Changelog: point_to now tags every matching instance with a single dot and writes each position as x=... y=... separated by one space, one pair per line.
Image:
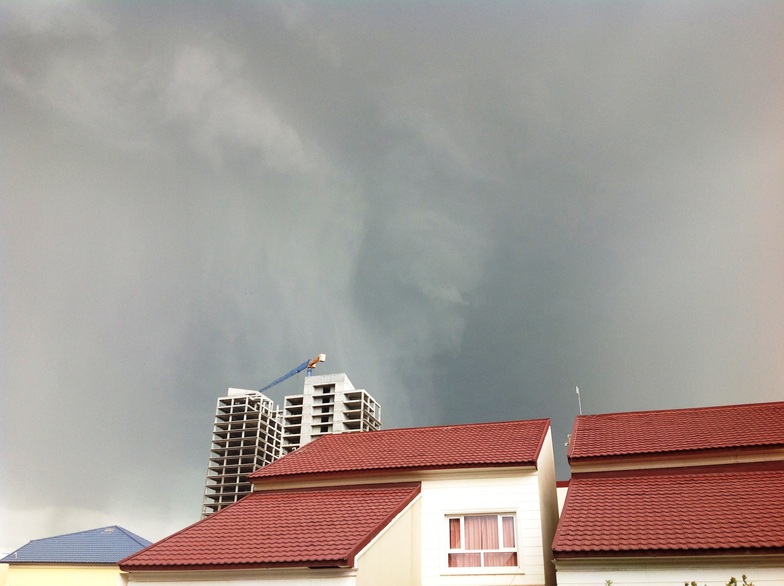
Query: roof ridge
x=130 y=534
x=72 y=533
x=461 y=425
x=704 y=470
x=682 y=409
x=345 y=487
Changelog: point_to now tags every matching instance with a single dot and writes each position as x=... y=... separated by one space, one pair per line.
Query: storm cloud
x=471 y=208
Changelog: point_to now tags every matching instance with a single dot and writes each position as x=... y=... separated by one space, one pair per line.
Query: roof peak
x=72 y=533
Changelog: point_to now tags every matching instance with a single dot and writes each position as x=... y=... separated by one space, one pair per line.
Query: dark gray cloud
x=471 y=209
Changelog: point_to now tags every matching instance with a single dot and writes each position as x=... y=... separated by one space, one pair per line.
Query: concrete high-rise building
x=250 y=431
x=246 y=435
x=328 y=404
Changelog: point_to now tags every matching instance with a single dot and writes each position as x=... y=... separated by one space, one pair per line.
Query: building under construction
x=328 y=404
x=250 y=431
x=246 y=435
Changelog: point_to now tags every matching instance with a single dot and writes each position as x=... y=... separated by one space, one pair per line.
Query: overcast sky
x=471 y=208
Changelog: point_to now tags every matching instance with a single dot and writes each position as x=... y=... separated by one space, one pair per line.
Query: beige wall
x=61 y=575
x=548 y=503
x=289 y=577
x=394 y=559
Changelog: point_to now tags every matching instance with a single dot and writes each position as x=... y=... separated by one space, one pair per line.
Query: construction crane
x=309 y=364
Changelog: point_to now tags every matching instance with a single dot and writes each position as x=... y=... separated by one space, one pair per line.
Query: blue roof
x=105 y=545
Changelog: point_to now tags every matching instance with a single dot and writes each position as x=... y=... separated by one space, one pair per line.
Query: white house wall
x=562 y=491
x=394 y=559
x=643 y=573
x=495 y=491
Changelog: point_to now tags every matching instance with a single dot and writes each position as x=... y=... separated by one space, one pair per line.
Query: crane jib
x=309 y=364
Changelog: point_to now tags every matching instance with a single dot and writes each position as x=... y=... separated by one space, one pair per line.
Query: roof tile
x=105 y=545
x=474 y=445
x=673 y=512
x=677 y=430
x=309 y=527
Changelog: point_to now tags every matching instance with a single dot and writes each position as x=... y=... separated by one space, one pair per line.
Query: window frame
x=482 y=569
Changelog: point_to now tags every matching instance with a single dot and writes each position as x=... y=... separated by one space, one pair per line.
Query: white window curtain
x=477 y=541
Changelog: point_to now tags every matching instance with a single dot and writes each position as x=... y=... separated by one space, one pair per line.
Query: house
x=668 y=497
x=436 y=506
x=86 y=558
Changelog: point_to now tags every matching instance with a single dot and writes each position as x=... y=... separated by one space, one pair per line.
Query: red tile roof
x=510 y=443
x=287 y=528
x=678 y=430
x=673 y=513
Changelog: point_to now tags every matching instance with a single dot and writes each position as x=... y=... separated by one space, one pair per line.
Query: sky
x=470 y=208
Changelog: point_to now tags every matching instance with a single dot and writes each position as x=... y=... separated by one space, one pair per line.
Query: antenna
x=580 y=405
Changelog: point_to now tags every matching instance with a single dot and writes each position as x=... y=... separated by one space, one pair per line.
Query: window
x=482 y=541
